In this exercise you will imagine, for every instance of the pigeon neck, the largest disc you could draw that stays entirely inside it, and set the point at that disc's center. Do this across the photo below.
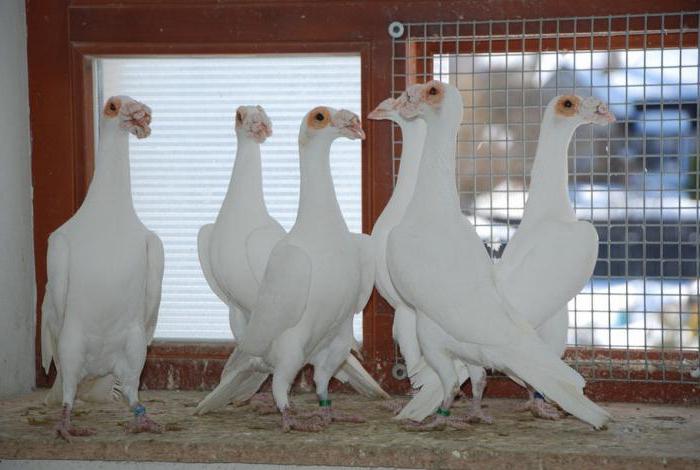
(111, 182)
(436, 186)
(318, 204)
(245, 187)
(412, 135)
(549, 183)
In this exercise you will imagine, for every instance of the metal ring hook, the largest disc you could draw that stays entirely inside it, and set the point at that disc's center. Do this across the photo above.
(396, 29)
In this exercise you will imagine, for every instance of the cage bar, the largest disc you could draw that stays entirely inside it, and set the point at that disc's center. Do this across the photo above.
(637, 180)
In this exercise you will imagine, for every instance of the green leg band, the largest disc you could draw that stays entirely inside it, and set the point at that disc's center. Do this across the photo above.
(442, 412)
(324, 403)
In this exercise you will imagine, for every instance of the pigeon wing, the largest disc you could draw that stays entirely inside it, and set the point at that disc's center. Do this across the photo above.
(259, 244)
(53, 307)
(281, 300)
(154, 282)
(366, 249)
(545, 267)
(203, 244)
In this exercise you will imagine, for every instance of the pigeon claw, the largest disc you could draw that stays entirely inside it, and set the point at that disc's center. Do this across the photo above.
(543, 410)
(65, 432)
(478, 417)
(296, 423)
(540, 409)
(143, 424)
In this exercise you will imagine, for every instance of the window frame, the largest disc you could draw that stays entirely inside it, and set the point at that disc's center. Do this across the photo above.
(61, 94)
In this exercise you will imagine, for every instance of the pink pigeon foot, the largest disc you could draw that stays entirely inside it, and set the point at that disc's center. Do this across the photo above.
(143, 423)
(297, 423)
(64, 429)
(543, 410)
(476, 415)
(395, 406)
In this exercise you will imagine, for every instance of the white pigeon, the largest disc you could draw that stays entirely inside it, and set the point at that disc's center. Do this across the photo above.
(105, 271)
(424, 380)
(552, 254)
(438, 265)
(234, 250)
(317, 277)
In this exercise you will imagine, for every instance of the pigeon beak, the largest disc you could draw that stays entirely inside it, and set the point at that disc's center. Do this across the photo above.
(260, 132)
(355, 131)
(378, 114)
(383, 110)
(603, 112)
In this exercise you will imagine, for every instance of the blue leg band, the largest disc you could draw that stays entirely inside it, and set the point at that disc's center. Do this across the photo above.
(139, 410)
(539, 396)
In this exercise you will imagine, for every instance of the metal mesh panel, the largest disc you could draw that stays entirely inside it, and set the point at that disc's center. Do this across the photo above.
(636, 180)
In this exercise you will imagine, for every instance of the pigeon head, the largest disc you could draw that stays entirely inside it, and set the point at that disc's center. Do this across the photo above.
(431, 100)
(387, 109)
(581, 110)
(131, 115)
(252, 121)
(331, 123)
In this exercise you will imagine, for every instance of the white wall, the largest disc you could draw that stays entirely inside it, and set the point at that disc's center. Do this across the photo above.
(17, 293)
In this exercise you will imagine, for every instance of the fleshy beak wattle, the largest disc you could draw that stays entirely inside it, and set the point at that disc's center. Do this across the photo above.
(605, 113)
(356, 130)
(610, 117)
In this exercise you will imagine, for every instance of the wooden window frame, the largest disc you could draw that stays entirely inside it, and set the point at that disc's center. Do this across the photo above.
(65, 35)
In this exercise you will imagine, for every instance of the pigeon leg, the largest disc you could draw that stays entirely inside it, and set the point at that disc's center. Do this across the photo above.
(64, 429)
(543, 410)
(476, 413)
(282, 379)
(322, 377)
(142, 422)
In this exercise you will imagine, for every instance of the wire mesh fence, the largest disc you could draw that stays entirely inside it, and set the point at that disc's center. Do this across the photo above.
(637, 180)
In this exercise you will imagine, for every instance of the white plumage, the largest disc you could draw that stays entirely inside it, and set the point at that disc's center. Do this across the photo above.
(552, 255)
(424, 380)
(235, 249)
(439, 266)
(105, 270)
(316, 278)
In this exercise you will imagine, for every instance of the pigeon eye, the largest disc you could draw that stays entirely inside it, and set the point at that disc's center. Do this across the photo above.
(320, 117)
(433, 91)
(568, 104)
(239, 118)
(112, 107)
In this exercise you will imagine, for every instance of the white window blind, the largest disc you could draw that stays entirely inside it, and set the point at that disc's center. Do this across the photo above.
(181, 172)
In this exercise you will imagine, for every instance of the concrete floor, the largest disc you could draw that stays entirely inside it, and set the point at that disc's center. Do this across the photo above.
(642, 436)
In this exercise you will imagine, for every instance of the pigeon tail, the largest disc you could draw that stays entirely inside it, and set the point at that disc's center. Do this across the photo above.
(352, 372)
(239, 383)
(548, 374)
(429, 394)
(48, 345)
(425, 400)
